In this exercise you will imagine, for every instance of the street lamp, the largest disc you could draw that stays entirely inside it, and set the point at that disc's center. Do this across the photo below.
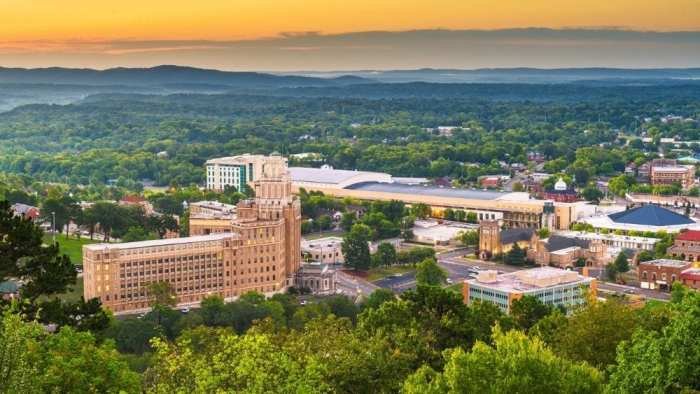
(53, 227)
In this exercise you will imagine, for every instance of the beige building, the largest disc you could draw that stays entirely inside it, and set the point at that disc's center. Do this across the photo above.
(684, 175)
(326, 250)
(259, 252)
(236, 171)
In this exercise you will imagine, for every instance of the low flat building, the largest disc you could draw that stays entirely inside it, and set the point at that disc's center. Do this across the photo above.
(326, 250)
(435, 233)
(614, 240)
(660, 274)
(691, 278)
(317, 278)
(552, 286)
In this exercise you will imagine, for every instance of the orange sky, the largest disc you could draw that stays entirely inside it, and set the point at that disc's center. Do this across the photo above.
(22, 20)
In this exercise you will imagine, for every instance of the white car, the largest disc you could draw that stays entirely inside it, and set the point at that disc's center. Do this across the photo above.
(449, 281)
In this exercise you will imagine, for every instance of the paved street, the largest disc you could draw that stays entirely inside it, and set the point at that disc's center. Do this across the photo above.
(353, 286)
(458, 269)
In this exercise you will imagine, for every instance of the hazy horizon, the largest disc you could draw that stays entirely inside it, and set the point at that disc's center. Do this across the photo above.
(383, 50)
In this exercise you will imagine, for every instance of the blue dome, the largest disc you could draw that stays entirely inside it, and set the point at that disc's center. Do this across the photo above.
(650, 215)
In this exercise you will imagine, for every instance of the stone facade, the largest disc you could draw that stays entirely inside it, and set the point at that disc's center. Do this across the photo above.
(258, 250)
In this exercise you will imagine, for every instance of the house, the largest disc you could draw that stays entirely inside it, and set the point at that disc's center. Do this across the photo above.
(490, 182)
(686, 246)
(25, 210)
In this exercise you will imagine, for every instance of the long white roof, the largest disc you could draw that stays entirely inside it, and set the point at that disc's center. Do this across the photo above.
(159, 242)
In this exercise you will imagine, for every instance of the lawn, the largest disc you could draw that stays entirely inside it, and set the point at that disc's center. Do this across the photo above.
(382, 272)
(71, 246)
(457, 288)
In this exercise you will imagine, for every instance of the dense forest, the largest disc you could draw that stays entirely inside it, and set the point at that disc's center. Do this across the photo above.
(166, 139)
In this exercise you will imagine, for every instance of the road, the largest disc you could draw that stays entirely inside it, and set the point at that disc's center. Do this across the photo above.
(459, 269)
(354, 286)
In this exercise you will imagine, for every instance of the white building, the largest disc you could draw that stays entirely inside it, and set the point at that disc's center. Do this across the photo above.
(236, 171)
(432, 232)
(329, 178)
(613, 240)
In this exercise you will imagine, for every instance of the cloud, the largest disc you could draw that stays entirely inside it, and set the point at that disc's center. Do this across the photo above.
(437, 48)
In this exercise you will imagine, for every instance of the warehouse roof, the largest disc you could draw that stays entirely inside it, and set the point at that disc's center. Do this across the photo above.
(438, 191)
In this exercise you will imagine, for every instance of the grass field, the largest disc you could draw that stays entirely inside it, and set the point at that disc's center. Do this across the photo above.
(457, 288)
(70, 246)
(379, 273)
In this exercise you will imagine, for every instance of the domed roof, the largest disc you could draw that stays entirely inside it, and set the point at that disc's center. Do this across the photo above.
(560, 185)
(650, 215)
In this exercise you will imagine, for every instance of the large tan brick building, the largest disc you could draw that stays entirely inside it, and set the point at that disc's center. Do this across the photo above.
(260, 251)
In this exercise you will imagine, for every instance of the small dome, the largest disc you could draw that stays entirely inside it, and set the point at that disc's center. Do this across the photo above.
(560, 185)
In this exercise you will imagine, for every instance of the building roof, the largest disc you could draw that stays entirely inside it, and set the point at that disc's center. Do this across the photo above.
(558, 242)
(234, 160)
(691, 274)
(532, 279)
(22, 209)
(159, 242)
(439, 191)
(513, 235)
(667, 263)
(690, 235)
(650, 215)
(342, 178)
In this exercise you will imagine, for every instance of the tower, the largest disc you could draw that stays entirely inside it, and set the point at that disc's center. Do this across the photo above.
(489, 238)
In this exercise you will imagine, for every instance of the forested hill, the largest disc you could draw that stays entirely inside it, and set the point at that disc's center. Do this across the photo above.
(164, 75)
(583, 90)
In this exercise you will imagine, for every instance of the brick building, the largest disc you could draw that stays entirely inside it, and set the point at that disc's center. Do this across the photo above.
(683, 175)
(660, 274)
(686, 246)
(691, 278)
(259, 252)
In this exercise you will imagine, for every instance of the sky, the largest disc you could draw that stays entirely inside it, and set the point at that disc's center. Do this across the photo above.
(287, 35)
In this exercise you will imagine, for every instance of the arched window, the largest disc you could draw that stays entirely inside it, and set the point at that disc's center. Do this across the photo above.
(644, 275)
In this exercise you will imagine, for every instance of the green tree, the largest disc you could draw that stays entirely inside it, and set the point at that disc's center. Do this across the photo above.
(527, 311)
(429, 273)
(515, 256)
(347, 220)
(355, 247)
(662, 362)
(420, 210)
(593, 333)
(385, 255)
(72, 361)
(378, 297)
(471, 217)
(226, 362)
(621, 263)
(469, 238)
(134, 234)
(17, 362)
(591, 193)
(515, 363)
